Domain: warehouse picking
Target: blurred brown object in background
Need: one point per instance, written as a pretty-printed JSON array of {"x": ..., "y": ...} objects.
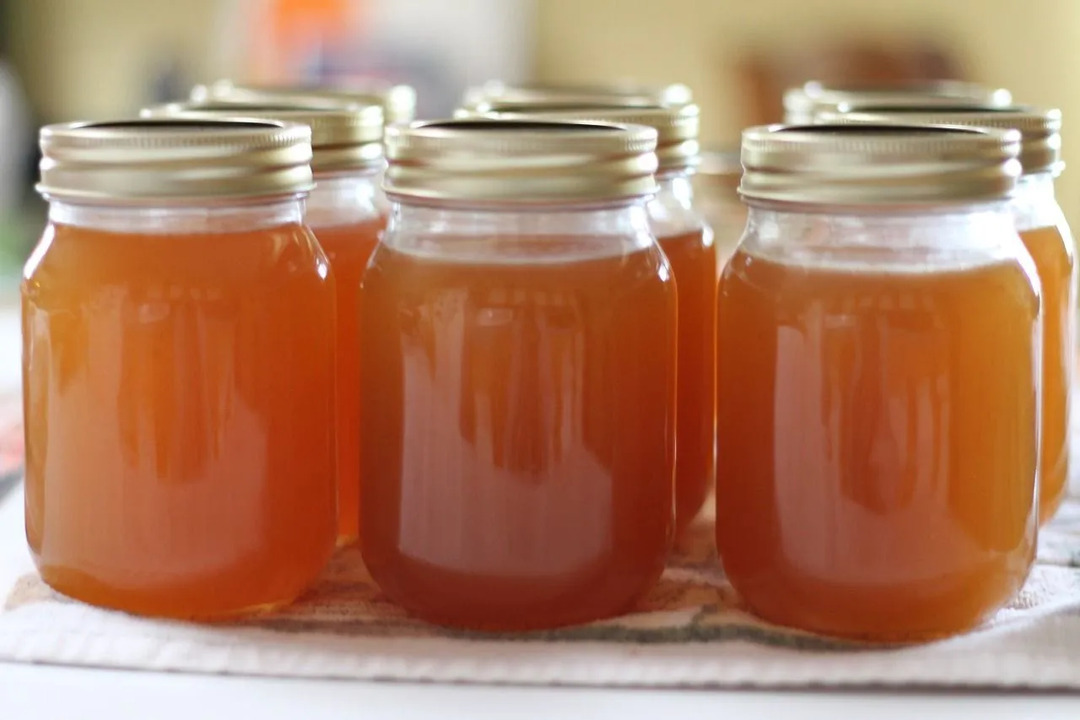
[{"x": 764, "y": 77}]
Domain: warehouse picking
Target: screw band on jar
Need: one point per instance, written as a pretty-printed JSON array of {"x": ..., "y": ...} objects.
[
  {"x": 476, "y": 98},
  {"x": 1040, "y": 130},
  {"x": 174, "y": 160},
  {"x": 804, "y": 103},
  {"x": 677, "y": 126},
  {"x": 343, "y": 137},
  {"x": 398, "y": 101},
  {"x": 879, "y": 164},
  {"x": 520, "y": 162}
]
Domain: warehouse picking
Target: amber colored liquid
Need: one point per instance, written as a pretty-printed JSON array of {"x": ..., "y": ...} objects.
[
  {"x": 877, "y": 444},
  {"x": 693, "y": 263},
  {"x": 518, "y": 435},
  {"x": 1053, "y": 256},
  {"x": 349, "y": 247},
  {"x": 179, "y": 418}
]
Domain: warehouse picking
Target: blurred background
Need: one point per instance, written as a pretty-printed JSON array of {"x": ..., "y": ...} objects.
[{"x": 96, "y": 59}]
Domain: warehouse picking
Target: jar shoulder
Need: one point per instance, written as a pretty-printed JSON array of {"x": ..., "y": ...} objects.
[
  {"x": 74, "y": 256},
  {"x": 884, "y": 240}
]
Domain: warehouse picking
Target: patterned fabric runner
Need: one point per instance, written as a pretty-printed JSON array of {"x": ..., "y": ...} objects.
[{"x": 690, "y": 631}]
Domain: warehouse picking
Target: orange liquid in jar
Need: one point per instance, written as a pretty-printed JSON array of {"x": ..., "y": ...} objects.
[
  {"x": 179, "y": 418},
  {"x": 1054, "y": 260},
  {"x": 877, "y": 444},
  {"x": 349, "y": 247},
  {"x": 518, "y": 435},
  {"x": 693, "y": 263}
]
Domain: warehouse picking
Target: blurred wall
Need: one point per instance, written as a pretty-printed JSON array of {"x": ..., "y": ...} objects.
[
  {"x": 93, "y": 59},
  {"x": 1028, "y": 46},
  {"x": 99, "y": 58}
]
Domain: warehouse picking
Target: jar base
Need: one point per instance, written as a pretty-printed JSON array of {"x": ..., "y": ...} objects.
[
  {"x": 486, "y": 604},
  {"x": 909, "y": 636},
  {"x": 879, "y": 617},
  {"x": 160, "y": 603}
]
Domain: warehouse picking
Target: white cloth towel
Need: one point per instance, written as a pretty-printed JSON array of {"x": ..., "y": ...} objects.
[{"x": 688, "y": 633}]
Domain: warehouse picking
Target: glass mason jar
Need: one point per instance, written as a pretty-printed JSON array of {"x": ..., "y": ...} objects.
[
  {"x": 717, "y": 187},
  {"x": 1047, "y": 237},
  {"x": 398, "y": 103},
  {"x": 178, "y": 369},
  {"x": 878, "y": 375},
  {"x": 687, "y": 241},
  {"x": 342, "y": 211},
  {"x": 806, "y": 102},
  {"x": 518, "y": 421}
]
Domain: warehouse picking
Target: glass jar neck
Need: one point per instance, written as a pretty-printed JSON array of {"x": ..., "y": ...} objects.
[
  {"x": 550, "y": 233},
  {"x": 671, "y": 210},
  {"x": 343, "y": 199},
  {"x": 1033, "y": 205},
  {"x": 882, "y": 238},
  {"x": 179, "y": 219}
]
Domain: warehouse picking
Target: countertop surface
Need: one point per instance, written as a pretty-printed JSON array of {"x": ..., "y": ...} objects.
[{"x": 28, "y": 692}]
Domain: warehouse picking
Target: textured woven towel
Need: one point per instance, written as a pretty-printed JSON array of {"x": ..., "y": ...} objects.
[{"x": 690, "y": 631}]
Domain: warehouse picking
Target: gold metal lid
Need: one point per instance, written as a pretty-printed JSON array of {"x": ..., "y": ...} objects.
[
  {"x": 476, "y": 98},
  {"x": 158, "y": 160},
  {"x": 677, "y": 126},
  {"x": 398, "y": 101},
  {"x": 520, "y": 161},
  {"x": 882, "y": 164},
  {"x": 803, "y": 104},
  {"x": 1040, "y": 130},
  {"x": 343, "y": 138}
]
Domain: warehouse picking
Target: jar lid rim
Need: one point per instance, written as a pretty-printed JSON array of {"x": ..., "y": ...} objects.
[
  {"x": 156, "y": 159},
  {"x": 879, "y": 163},
  {"x": 526, "y": 160}
]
